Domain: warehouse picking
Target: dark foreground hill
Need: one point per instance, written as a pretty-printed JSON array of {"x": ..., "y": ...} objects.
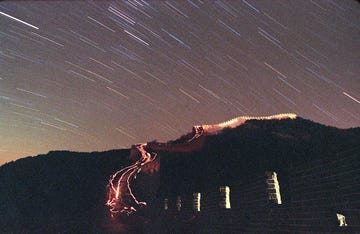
[
  {"x": 66, "y": 191},
  {"x": 60, "y": 191}
]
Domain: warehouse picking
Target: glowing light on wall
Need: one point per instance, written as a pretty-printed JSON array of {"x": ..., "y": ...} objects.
[
  {"x": 196, "y": 201},
  {"x": 273, "y": 187},
  {"x": 166, "y": 204},
  {"x": 225, "y": 197},
  {"x": 178, "y": 203},
  {"x": 341, "y": 219}
]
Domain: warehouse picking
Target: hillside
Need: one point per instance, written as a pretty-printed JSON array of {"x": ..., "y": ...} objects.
[
  {"x": 255, "y": 146},
  {"x": 59, "y": 191}
]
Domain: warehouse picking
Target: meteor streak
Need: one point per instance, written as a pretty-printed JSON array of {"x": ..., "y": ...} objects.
[
  {"x": 18, "y": 20},
  {"x": 349, "y": 96}
]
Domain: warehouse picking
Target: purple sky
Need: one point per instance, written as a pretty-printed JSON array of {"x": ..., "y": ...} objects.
[{"x": 97, "y": 75}]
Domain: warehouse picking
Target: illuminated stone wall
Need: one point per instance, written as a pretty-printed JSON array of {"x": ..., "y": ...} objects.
[{"x": 311, "y": 197}]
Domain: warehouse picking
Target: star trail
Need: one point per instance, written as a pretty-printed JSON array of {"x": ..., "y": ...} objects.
[{"x": 99, "y": 75}]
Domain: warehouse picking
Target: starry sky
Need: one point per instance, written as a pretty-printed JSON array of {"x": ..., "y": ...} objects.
[{"x": 99, "y": 75}]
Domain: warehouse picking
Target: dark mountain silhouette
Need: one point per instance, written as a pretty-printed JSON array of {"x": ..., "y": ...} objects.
[
  {"x": 66, "y": 191},
  {"x": 256, "y": 146}
]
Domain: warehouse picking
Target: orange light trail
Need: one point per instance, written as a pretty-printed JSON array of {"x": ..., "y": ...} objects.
[{"x": 121, "y": 198}]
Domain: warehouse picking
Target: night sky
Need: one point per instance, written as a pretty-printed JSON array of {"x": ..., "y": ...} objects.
[{"x": 97, "y": 75}]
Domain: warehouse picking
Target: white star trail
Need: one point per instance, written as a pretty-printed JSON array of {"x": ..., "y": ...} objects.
[
  {"x": 351, "y": 97},
  {"x": 18, "y": 20}
]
